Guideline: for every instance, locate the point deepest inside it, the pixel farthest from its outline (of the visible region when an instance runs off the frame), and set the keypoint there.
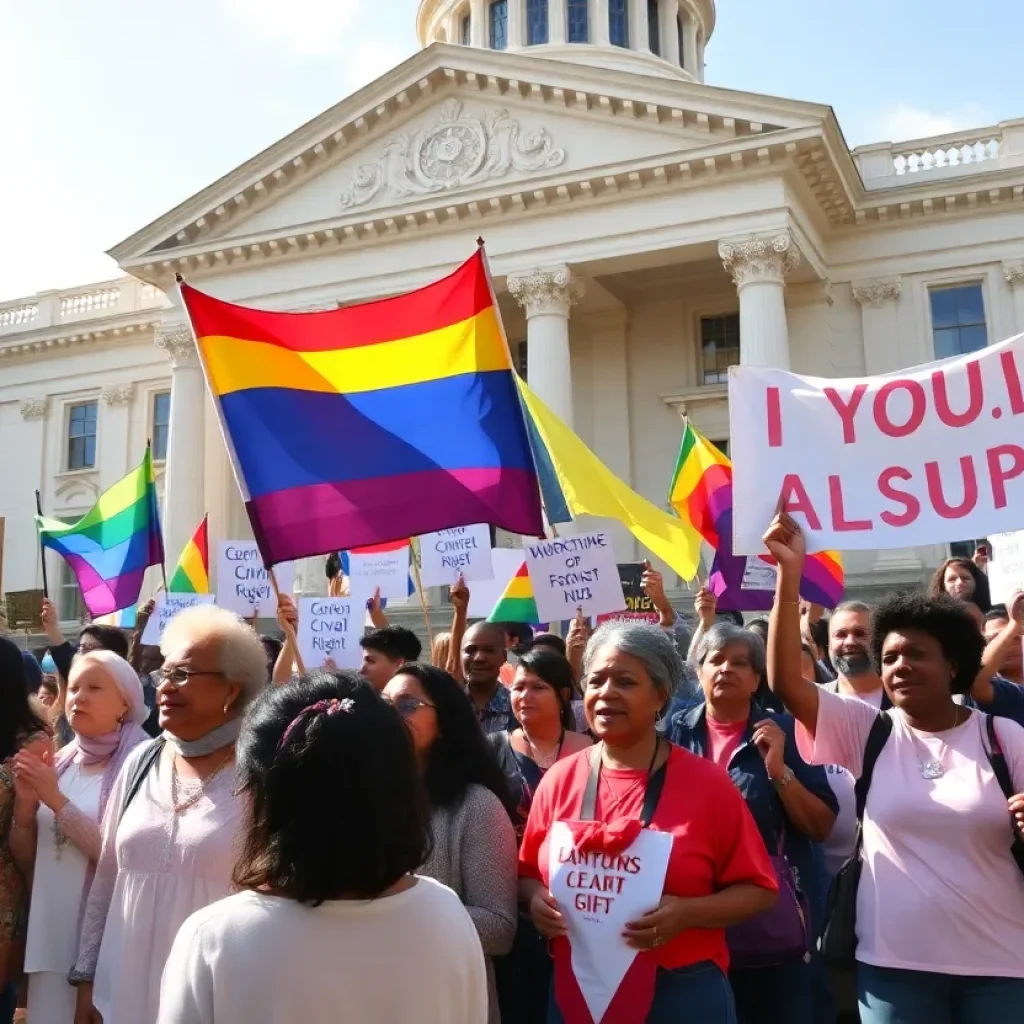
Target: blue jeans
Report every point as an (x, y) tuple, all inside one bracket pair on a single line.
[(891, 996), (774, 995), (699, 992)]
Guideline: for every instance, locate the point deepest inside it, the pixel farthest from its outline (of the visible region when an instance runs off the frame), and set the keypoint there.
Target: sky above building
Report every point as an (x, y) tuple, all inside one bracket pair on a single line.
[(114, 111)]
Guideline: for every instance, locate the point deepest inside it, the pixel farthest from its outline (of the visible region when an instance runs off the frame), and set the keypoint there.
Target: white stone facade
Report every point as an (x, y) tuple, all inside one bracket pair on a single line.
[(621, 203)]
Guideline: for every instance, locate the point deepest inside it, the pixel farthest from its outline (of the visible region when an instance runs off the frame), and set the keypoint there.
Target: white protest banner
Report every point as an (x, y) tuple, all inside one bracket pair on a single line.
[(574, 572), (330, 627), (243, 584), (599, 894), (1006, 566), (447, 553), (484, 594), (386, 569), (919, 456), (167, 606)]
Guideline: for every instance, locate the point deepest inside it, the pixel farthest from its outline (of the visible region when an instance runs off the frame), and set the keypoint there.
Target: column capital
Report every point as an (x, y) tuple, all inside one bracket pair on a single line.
[(878, 292), (175, 338), (553, 290), (118, 394), (1014, 273), (35, 408), (759, 257)]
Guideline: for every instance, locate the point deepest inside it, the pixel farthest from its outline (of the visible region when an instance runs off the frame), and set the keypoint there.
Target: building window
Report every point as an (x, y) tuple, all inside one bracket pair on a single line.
[(499, 24), (82, 436), (722, 446), (70, 606), (966, 548), (577, 21), (536, 22), (519, 360), (719, 346), (618, 22), (653, 36), (161, 423), (958, 320), (465, 26), (679, 33)]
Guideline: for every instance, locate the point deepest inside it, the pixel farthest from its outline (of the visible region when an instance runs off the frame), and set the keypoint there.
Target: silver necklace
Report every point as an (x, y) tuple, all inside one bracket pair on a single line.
[(185, 794), (933, 768)]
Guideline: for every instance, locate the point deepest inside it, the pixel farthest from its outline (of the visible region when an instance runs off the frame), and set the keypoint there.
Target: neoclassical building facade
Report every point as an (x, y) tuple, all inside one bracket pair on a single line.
[(644, 230)]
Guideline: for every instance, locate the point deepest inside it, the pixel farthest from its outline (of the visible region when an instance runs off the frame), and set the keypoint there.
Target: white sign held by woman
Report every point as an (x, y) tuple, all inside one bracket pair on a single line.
[(166, 607), (243, 582), (464, 550), (574, 572), (330, 627), (919, 456)]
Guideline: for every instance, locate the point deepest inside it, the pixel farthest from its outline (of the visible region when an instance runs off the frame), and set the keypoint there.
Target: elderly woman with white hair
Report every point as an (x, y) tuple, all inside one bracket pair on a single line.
[(168, 835), (637, 801), (793, 806)]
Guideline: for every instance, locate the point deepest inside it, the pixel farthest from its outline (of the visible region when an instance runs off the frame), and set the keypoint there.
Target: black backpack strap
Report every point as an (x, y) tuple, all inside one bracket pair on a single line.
[(140, 770), (881, 729), (997, 759)]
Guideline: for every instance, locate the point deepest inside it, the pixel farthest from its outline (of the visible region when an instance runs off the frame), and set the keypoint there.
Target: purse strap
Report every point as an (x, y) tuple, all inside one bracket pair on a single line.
[(652, 790), (881, 729), (997, 758)]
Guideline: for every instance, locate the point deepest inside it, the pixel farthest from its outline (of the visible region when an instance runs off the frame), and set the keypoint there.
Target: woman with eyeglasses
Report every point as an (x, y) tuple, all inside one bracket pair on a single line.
[(169, 830), (474, 849), (58, 808)]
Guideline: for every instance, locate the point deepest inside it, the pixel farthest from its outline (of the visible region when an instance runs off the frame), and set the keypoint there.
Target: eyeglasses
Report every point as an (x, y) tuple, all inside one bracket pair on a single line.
[(181, 676), (407, 705)]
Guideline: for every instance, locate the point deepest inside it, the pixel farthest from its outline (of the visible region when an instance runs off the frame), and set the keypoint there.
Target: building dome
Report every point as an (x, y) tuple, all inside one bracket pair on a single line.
[(656, 37)]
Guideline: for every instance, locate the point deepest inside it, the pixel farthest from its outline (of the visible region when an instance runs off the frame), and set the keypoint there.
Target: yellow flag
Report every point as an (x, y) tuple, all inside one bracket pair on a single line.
[(590, 488)]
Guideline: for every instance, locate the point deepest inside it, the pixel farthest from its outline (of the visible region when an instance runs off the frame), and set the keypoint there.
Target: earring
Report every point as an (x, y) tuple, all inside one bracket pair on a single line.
[(227, 707), (120, 719)]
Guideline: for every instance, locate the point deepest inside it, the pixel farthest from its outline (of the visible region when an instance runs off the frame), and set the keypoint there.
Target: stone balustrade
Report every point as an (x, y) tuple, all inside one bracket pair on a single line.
[(73, 305)]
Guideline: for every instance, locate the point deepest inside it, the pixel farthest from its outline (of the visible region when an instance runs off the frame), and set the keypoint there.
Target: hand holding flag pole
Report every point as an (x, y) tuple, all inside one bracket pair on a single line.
[(288, 627)]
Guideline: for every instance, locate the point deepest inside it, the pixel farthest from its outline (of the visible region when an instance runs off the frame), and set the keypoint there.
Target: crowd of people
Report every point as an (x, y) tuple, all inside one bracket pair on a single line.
[(196, 834)]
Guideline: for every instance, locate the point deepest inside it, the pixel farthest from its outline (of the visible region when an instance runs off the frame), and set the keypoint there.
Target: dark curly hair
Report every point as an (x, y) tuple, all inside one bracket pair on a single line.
[(941, 617), (981, 597), (461, 754)]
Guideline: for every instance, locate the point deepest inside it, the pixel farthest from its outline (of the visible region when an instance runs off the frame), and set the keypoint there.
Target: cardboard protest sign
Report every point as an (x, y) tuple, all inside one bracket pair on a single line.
[(167, 606), (574, 572), (25, 610), (912, 457), (639, 607), (485, 594), (1006, 566), (330, 627), (243, 583), (386, 569), (447, 553)]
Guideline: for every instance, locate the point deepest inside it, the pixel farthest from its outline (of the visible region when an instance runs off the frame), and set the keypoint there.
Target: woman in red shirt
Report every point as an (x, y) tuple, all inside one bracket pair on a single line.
[(602, 826)]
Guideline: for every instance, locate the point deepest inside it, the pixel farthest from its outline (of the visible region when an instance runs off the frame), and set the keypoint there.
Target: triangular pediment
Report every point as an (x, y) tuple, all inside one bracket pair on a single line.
[(459, 124)]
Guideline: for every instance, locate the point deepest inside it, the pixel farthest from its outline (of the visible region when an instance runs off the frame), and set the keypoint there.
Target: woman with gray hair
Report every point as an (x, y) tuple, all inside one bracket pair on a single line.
[(168, 834), (791, 802), (636, 799)]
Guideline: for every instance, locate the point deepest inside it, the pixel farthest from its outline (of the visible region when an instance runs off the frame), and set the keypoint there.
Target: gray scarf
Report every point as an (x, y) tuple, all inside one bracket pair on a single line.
[(222, 736)]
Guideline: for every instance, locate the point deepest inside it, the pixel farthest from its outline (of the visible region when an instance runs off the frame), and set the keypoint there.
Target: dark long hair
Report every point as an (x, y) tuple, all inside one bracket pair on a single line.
[(461, 754), (982, 597), (336, 807), (554, 669), (17, 717)]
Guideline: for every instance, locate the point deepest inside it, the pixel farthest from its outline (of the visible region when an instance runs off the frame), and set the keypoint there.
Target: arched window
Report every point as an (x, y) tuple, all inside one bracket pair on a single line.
[(499, 24), (679, 31), (618, 22), (465, 26), (536, 22), (653, 36), (577, 21)]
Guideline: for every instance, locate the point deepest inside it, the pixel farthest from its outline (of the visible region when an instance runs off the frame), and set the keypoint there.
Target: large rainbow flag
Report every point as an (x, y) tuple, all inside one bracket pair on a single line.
[(370, 423), (192, 573), (111, 546), (701, 494)]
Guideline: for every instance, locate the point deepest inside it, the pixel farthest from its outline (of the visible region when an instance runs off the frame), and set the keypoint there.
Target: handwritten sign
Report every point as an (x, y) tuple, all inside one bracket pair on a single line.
[(574, 572), (1006, 567), (167, 606), (639, 607), (330, 627), (759, 575), (25, 610), (599, 893), (913, 457), (388, 570), (243, 582), (464, 549)]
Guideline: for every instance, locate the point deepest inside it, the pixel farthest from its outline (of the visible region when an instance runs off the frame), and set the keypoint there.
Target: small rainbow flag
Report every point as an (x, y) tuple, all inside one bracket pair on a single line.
[(123, 619), (112, 545), (701, 493), (192, 573), (517, 603)]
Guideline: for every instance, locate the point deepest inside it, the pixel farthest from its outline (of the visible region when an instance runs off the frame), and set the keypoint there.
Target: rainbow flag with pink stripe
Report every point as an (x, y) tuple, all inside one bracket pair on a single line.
[(112, 545)]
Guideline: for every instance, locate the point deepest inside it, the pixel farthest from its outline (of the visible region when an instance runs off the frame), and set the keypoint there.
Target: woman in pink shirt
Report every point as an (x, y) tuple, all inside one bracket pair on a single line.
[(940, 905)]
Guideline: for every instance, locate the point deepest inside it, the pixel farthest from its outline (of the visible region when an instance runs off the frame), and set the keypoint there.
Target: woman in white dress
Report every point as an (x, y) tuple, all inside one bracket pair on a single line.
[(168, 842), (59, 802)]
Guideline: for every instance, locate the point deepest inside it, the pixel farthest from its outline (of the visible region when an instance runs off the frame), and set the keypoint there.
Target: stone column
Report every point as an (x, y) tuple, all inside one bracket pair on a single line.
[(759, 265), (479, 34), (1014, 273), (668, 11), (558, 29), (547, 296), (516, 24), (693, 54), (880, 321), (600, 32), (32, 449), (184, 500), (118, 443)]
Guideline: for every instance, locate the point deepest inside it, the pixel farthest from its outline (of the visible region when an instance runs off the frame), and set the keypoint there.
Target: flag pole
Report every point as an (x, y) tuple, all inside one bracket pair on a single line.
[(419, 590), (42, 548), (289, 630), (160, 527)]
